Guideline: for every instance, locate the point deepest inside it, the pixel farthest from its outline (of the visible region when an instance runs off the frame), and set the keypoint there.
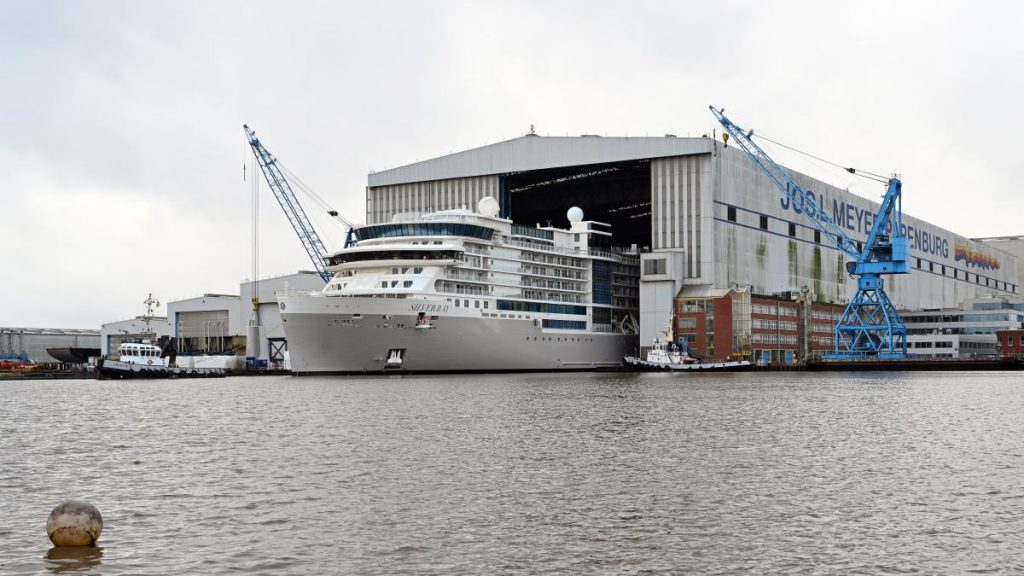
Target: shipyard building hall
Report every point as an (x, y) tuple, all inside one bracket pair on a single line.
[(728, 263)]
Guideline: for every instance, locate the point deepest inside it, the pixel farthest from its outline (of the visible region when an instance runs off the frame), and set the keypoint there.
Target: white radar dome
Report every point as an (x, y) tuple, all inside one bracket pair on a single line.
[(488, 206), (575, 214)]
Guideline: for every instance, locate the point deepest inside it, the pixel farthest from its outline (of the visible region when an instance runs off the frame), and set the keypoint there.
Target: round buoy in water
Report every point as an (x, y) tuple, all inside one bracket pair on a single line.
[(74, 523)]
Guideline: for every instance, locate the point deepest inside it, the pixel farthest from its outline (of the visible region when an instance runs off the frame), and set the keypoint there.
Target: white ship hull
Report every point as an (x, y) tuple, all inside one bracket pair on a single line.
[(330, 334)]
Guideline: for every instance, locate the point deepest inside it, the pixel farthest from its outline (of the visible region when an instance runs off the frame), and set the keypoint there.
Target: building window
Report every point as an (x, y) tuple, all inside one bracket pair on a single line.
[(655, 266), (918, 263), (817, 236), (731, 213), (931, 266), (792, 230), (764, 222)]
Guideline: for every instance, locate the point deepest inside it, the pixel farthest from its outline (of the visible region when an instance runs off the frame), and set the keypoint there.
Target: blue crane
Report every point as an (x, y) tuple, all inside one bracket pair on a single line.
[(290, 204), (870, 326)]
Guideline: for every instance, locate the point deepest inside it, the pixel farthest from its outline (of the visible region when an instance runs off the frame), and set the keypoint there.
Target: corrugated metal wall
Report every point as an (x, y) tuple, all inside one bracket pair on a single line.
[(538, 153), (34, 344), (735, 229), (204, 323), (762, 241), (677, 207), (383, 202)]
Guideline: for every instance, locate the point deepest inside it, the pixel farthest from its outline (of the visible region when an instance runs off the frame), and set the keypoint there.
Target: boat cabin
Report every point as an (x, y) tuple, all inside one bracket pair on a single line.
[(141, 353)]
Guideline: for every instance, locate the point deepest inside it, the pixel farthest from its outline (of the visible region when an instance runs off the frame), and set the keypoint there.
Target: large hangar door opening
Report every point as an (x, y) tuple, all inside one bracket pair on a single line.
[(618, 194)]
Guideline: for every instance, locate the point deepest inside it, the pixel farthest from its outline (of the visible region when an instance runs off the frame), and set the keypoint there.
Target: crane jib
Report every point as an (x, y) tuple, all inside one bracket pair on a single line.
[(870, 326), (282, 191)]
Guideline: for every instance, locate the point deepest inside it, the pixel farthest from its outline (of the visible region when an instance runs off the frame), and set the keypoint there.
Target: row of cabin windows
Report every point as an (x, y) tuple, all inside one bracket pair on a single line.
[(423, 229), (384, 254), (465, 303), (565, 324), (134, 352), (555, 338), (394, 283)]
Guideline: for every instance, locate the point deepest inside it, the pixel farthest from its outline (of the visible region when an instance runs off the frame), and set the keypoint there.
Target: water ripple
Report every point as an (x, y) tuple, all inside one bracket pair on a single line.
[(528, 474)]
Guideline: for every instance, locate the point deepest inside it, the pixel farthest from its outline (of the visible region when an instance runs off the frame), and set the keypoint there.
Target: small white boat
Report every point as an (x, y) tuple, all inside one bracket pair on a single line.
[(143, 360), (666, 354)]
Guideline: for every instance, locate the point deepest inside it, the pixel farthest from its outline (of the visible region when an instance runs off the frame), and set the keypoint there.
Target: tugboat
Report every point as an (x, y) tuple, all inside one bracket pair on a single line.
[(140, 360), (666, 354), (144, 360)]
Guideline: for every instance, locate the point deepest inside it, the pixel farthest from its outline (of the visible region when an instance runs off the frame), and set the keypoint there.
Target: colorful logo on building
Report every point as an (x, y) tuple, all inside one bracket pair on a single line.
[(975, 258)]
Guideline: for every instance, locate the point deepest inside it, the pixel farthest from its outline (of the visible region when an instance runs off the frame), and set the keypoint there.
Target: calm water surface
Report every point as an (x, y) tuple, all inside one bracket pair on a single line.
[(524, 474)]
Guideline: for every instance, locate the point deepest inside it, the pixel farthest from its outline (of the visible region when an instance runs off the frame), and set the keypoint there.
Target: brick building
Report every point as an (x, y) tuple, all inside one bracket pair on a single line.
[(768, 329), (1010, 343)]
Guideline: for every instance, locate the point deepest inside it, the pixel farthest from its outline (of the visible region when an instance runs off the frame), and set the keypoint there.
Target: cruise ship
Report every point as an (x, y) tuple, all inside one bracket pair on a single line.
[(463, 290)]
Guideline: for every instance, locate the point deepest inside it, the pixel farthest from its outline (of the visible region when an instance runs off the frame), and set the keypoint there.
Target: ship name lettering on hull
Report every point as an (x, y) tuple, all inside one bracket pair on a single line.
[(428, 307)]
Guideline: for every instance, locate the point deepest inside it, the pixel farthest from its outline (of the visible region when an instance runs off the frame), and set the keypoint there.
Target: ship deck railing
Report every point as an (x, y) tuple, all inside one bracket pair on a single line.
[(573, 251)]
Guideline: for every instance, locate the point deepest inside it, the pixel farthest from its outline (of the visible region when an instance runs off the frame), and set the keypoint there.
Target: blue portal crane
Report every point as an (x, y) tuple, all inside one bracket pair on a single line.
[(290, 204), (870, 327)]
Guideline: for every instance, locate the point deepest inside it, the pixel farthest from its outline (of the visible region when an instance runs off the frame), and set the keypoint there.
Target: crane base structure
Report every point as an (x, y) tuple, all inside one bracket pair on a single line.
[(870, 327)]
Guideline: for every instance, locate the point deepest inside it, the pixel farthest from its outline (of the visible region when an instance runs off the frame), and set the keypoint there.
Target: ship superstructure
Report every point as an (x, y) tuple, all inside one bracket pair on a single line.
[(463, 290)]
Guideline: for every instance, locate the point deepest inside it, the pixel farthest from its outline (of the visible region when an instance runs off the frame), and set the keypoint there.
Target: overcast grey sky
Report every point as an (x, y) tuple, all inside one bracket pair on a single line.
[(121, 146)]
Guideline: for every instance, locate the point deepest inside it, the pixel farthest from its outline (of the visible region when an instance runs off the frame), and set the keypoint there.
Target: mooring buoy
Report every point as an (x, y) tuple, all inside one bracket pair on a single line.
[(74, 523)]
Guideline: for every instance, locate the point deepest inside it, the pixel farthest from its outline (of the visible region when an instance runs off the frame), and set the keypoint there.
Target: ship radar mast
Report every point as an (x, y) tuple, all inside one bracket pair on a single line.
[(150, 303)]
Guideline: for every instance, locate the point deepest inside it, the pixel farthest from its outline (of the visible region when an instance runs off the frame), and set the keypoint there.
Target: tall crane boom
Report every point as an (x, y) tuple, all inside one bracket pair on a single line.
[(870, 326), (290, 204)]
